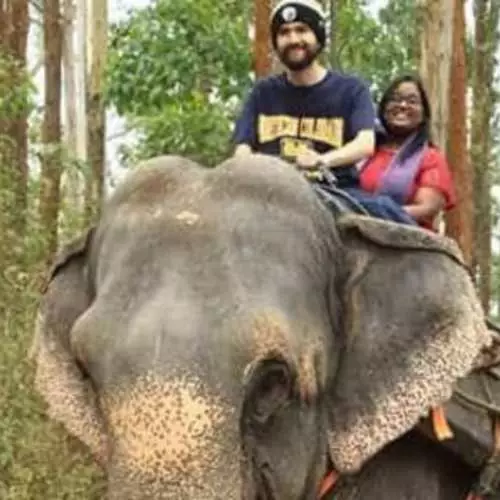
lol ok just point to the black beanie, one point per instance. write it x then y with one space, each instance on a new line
305 11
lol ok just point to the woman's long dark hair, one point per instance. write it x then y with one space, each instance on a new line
424 130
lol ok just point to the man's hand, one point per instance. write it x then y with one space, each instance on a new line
308 160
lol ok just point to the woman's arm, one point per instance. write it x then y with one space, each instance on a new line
434 188
427 203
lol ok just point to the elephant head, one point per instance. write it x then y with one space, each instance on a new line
219 334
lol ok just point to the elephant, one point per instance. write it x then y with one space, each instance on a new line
219 334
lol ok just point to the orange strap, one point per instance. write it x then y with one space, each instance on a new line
328 483
496 437
440 425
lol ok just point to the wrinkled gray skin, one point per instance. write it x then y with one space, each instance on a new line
220 336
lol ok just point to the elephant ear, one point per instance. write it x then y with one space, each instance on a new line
412 326
59 378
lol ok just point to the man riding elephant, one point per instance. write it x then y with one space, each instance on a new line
218 335
308 115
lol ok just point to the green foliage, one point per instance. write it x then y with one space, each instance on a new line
191 126
38 460
378 50
29 467
16 88
174 71
162 53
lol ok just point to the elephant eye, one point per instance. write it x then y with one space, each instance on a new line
269 389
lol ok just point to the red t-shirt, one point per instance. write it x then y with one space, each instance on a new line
433 172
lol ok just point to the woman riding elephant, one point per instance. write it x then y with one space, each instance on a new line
216 336
407 166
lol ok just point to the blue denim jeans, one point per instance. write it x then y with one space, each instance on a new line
381 206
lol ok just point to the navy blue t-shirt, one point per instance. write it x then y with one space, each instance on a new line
282 119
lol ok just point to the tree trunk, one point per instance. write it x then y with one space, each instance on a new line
333 8
14 26
483 95
460 221
51 128
435 61
96 123
81 62
20 124
71 176
262 63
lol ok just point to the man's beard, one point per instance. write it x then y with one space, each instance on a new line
310 55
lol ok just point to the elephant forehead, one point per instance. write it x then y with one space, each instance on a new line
164 425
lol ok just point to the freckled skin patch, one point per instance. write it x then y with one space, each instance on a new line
67 393
308 379
398 408
271 337
169 441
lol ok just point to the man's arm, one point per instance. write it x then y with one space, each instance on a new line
360 147
361 123
245 132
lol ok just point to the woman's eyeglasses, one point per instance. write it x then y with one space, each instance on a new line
410 100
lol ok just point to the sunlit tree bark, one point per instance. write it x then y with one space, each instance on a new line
96 124
262 47
14 26
483 100
51 128
435 63
459 222
71 178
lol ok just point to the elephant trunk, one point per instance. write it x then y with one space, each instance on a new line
172 438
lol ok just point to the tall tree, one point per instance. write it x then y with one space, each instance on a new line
435 61
81 63
262 62
14 108
483 100
401 22
71 179
97 42
459 222
51 127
